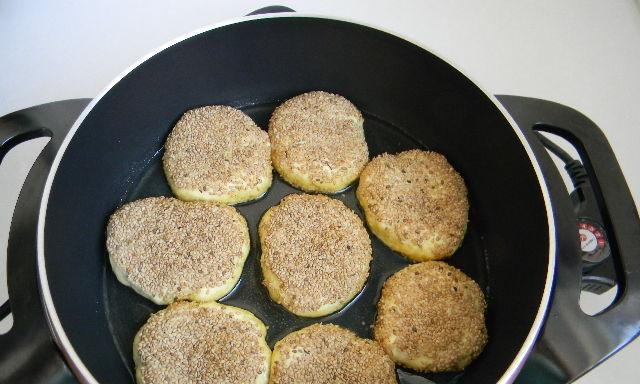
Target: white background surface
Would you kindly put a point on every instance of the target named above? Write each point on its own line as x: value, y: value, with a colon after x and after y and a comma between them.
x: 584, y: 54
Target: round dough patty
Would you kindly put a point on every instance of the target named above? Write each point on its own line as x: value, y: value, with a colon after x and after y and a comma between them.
x: 217, y: 153
x: 431, y: 318
x: 328, y: 354
x: 315, y: 254
x: 201, y: 343
x: 416, y: 203
x: 167, y: 249
x: 317, y: 142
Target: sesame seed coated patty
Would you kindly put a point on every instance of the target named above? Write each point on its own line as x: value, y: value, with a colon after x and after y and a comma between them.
x: 415, y: 202
x: 201, y: 343
x: 329, y: 354
x: 431, y: 317
x: 317, y: 142
x: 315, y: 254
x: 217, y: 153
x: 167, y: 249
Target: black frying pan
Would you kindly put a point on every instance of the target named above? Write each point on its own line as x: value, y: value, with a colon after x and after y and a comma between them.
x: 410, y: 98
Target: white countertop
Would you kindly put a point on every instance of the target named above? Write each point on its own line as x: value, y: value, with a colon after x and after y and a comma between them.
x: 581, y: 53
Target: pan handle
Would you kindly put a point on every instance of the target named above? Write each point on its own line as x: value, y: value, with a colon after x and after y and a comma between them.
x: 270, y: 9
x: 572, y: 343
x: 15, y: 129
x: 28, y: 353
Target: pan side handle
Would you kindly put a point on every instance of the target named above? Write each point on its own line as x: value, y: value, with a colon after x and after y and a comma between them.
x: 572, y: 342
x: 270, y: 9
x: 28, y: 353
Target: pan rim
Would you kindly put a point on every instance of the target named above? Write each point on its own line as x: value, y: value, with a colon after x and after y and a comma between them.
x: 71, y: 357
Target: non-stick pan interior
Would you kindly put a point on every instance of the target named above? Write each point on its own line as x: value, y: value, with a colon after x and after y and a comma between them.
x: 127, y: 311
x: 410, y: 99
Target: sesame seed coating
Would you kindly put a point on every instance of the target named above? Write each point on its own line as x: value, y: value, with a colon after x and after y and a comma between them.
x: 317, y: 142
x: 329, y: 354
x: 431, y: 317
x: 167, y: 249
x: 201, y: 343
x: 315, y: 254
x: 415, y: 202
x: 217, y: 153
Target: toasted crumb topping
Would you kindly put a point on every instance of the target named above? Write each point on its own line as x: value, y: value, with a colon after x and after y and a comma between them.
x: 318, y: 249
x: 170, y: 248
x: 319, y: 135
x: 217, y: 150
x: 192, y: 343
x: 328, y: 354
x: 418, y: 198
x: 431, y: 317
